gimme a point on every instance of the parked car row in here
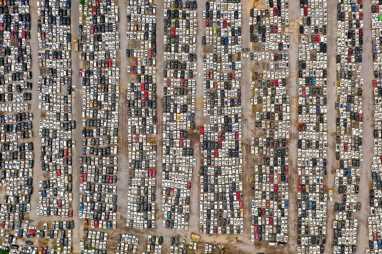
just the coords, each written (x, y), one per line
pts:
(55, 96)
(142, 115)
(349, 124)
(49, 234)
(99, 73)
(16, 166)
(22, 249)
(182, 245)
(179, 245)
(221, 199)
(212, 248)
(19, 238)
(312, 127)
(128, 244)
(375, 205)
(57, 233)
(10, 245)
(153, 244)
(15, 57)
(270, 102)
(16, 147)
(94, 242)
(61, 234)
(180, 27)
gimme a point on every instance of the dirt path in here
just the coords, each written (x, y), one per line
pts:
(159, 83)
(37, 172)
(199, 121)
(247, 119)
(77, 232)
(292, 145)
(123, 161)
(367, 139)
(331, 116)
(240, 244)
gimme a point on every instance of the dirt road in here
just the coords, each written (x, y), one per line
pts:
(76, 134)
(123, 161)
(159, 82)
(292, 145)
(199, 120)
(331, 116)
(199, 64)
(37, 172)
(248, 124)
(367, 139)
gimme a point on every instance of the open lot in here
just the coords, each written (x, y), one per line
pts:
(212, 126)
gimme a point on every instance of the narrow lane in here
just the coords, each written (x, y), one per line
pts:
(77, 108)
(160, 101)
(331, 116)
(247, 117)
(368, 129)
(293, 133)
(199, 120)
(37, 172)
(123, 160)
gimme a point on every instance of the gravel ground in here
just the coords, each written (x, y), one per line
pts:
(368, 140)
(248, 124)
(77, 232)
(37, 172)
(195, 188)
(331, 165)
(292, 91)
(159, 76)
(123, 161)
